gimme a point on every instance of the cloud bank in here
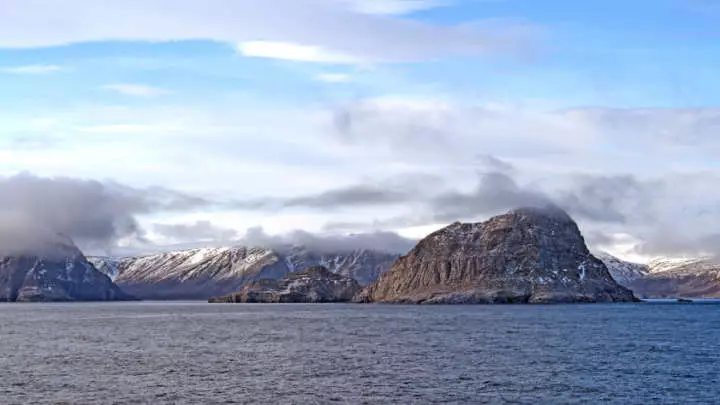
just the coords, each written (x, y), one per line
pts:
(305, 30)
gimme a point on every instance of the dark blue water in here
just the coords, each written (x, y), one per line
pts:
(196, 353)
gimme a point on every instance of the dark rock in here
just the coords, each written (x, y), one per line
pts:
(530, 255)
(316, 284)
(58, 273)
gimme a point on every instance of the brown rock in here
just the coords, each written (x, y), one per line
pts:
(530, 255)
(314, 285)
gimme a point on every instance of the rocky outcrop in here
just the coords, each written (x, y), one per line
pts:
(57, 273)
(530, 255)
(314, 285)
(207, 272)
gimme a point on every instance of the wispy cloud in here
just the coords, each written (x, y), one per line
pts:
(31, 69)
(309, 30)
(290, 51)
(334, 77)
(395, 7)
(139, 90)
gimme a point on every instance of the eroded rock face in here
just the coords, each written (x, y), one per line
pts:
(529, 255)
(316, 284)
(58, 274)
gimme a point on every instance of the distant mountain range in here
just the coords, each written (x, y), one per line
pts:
(667, 278)
(210, 272)
(526, 255)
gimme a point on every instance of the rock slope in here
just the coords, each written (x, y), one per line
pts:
(59, 272)
(314, 285)
(207, 272)
(622, 271)
(530, 255)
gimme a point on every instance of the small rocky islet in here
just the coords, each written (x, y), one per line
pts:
(314, 285)
(529, 255)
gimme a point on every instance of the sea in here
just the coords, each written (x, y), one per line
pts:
(199, 353)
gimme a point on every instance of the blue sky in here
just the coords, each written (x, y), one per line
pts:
(237, 100)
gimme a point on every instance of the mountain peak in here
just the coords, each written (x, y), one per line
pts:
(54, 270)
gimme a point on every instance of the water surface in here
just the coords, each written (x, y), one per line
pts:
(198, 353)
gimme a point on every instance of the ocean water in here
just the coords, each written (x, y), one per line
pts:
(197, 353)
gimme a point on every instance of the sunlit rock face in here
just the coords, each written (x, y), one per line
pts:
(529, 255)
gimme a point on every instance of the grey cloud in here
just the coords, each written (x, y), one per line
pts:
(495, 192)
(397, 190)
(677, 214)
(200, 230)
(93, 213)
(365, 195)
(611, 198)
(422, 130)
(382, 241)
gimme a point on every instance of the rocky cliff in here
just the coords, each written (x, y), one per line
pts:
(530, 255)
(58, 272)
(207, 272)
(314, 285)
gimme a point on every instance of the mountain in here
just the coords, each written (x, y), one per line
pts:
(110, 266)
(314, 285)
(57, 272)
(210, 272)
(529, 255)
(669, 278)
(622, 271)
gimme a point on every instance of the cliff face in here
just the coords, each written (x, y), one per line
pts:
(529, 255)
(314, 285)
(58, 273)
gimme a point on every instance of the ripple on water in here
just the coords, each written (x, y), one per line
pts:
(189, 353)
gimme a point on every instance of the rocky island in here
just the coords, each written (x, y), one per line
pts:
(314, 285)
(529, 255)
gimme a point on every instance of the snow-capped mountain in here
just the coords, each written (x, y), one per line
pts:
(667, 277)
(106, 265)
(622, 271)
(694, 277)
(207, 272)
(684, 266)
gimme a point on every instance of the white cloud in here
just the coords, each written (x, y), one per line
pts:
(197, 150)
(334, 77)
(139, 90)
(31, 69)
(393, 6)
(295, 52)
(324, 27)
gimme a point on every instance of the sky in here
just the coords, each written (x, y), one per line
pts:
(137, 126)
